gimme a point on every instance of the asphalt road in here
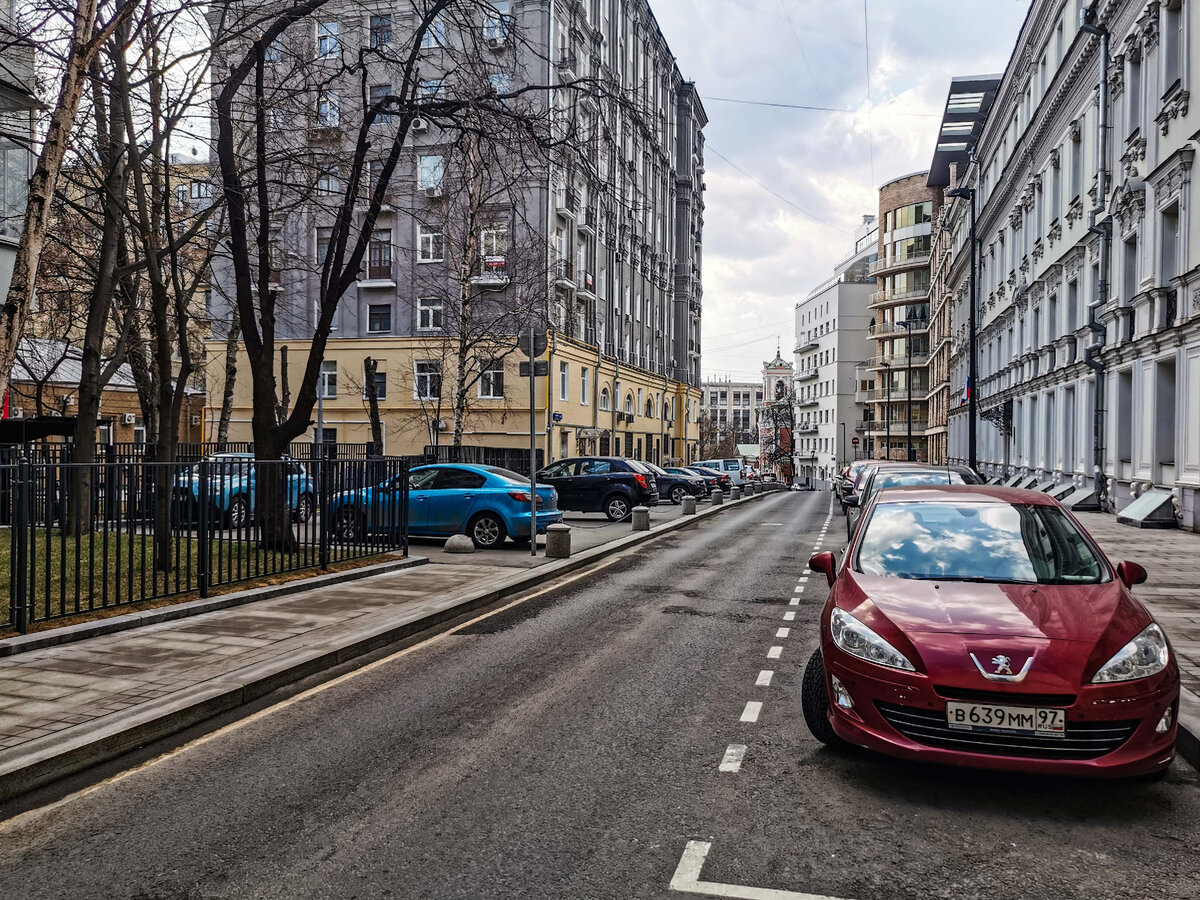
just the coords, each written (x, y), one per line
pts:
(570, 747)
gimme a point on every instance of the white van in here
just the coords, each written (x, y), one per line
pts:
(731, 467)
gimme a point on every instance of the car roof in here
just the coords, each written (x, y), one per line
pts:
(964, 493)
(471, 467)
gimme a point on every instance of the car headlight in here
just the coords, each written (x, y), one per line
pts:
(1145, 655)
(858, 640)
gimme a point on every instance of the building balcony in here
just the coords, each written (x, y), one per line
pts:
(898, 428)
(881, 395)
(897, 362)
(808, 404)
(585, 283)
(807, 375)
(494, 272)
(863, 425)
(806, 344)
(564, 274)
(879, 329)
(806, 428)
(882, 266)
(886, 298)
(566, 203)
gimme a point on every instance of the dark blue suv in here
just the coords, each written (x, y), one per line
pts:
(606, 484)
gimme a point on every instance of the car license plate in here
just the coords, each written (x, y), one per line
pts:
(1009, 719)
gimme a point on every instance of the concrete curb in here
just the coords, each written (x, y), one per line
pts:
(1187, 741)
(55, 637)
(55, 756)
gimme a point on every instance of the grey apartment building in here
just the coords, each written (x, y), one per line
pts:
(602, 245)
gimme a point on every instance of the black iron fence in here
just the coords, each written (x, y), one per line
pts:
(515, 459)
(83, 537)
(186, 452)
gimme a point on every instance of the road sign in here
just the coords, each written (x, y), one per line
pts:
(541, 368)
(539, 344)
(854, 441)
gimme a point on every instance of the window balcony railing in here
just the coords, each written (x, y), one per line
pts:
(882, 395)
(897, 361)
(903, 262)
(379, 272)
(807, 375)
(878, 329)
(883, 298)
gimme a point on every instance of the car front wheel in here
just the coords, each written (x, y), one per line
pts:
(617, 508)
(349, 525)
(814, 699)
(304, 508)
(239, 512)
(677, 494)
(487, 531)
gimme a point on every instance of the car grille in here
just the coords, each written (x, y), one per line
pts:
(1002, 697)
(1083, 740)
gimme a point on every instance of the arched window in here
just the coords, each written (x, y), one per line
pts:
(649, 408)
(604, 401)
(629, 404)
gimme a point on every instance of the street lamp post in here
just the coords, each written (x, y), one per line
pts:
(967, 193)
(887, 409)
(843, 424)
(907, 325)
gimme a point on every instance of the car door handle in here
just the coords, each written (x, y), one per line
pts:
(468, 496)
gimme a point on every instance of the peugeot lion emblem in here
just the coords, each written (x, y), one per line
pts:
(1003, 666)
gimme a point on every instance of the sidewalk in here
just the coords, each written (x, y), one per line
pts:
(65, 707)
(1171, 593)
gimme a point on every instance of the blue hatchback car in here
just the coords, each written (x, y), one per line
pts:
(486, 503)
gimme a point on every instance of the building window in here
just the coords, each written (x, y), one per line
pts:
(493, 246)
(583, 386)
(1172, 41)
(1131, 269)
(430, 89)
(427, 382)
(430, 170)
(324, 236)
(379, 318)
(491, 379)
(605, 400)
(434, 36)
(495, 23)
(1133, 93)
(327, 39)
(328, 113)
(564, 384)
(273, 53)
(379, 266)
(431, 244)
(429, 314)
(381, 31)
(201, 190)
(327, 386)
(500, 82)
(380, 386)
(378, 100)
(328, 183)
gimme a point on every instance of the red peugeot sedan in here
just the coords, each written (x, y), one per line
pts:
(982, 626)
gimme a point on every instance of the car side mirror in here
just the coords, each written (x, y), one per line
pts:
(850, 500)
(824, 562)
(1131, 573)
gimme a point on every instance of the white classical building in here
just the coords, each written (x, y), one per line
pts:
(831, 342)
(1088, 269)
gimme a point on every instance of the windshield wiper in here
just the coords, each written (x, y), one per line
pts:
(979, 579)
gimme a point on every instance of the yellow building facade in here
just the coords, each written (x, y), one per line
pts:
(588, 403)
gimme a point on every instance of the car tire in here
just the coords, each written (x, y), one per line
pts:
(349, 528)
(677, 494)
(617, 508)
(239, 512)
(487, 531)
(814, 700)
(304, 508)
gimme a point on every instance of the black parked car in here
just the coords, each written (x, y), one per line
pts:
(712, 478)
(606, 484)
(708, 480)
(676, 484)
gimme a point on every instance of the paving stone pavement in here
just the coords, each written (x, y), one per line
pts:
(1172, 591)
(47, 691)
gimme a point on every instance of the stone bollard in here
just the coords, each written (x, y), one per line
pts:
(460, 543)
(735, 493)
(717, 497)
(689, 506)
(751, 488)
(641, 518)
(558, 541)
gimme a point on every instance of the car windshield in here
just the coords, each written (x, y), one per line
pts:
(914, 479)
(987, 542)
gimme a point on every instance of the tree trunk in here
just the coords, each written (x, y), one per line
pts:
(231, 359)
(370, 368)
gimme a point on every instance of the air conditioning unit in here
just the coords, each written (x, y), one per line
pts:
(433, 192)
(128, 418)
(18, 412)
(497, 42)
(195, 420)
(442, 425)
(419, 124)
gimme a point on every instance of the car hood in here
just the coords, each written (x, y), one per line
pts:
(1083, 613)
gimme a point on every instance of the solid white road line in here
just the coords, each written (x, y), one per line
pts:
(734, 754)
(750, 713)
(774, 652)
(686, 880)
(795, 601)
(783, 632)
(764, 678)
(789, 616)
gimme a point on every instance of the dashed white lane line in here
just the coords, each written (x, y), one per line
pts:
(795, 601)
(764, 678)
(798, 589)
(789, 616)
(686, 880)
(734, 754)
(750, 713)
(774, 652)
(783, 632)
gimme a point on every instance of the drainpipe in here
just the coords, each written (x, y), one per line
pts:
(1092, 353)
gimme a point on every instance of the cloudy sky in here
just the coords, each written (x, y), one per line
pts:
(766, 244)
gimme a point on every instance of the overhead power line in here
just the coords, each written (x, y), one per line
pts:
(837, 109)
(774, 193)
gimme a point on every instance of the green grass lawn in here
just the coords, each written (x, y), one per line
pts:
(99, 571)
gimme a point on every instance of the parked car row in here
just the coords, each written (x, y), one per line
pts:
(983, 626)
